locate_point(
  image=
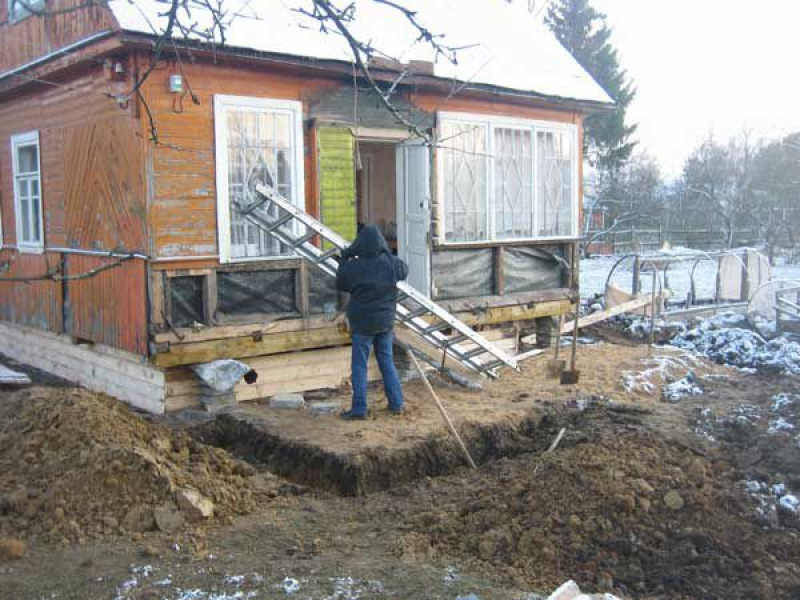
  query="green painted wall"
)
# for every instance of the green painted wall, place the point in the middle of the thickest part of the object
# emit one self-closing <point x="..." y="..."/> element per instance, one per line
<point x="337" y="180"/>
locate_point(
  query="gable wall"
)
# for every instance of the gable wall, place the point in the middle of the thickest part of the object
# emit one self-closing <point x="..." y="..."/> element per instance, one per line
<point x="35" y="36"/>
<point x="93" y="196"/>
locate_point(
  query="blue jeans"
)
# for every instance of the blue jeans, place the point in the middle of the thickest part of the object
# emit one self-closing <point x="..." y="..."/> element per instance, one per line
<point x="382" y="342"/>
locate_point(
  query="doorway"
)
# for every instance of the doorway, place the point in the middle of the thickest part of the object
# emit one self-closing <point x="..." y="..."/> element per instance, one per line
<point x="393" y="193"/>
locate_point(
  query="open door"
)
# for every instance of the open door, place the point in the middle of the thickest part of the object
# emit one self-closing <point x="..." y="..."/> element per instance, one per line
<point x="414" y="212"/>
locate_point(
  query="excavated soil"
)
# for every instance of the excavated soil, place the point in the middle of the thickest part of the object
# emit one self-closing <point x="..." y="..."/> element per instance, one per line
<point x="75" y="465"/>
<point x="617" y="507"/>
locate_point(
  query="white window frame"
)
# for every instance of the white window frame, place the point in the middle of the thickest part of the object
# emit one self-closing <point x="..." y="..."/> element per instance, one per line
<point x="490" y="122"/>
<point x="21" y="12"/>
<point x="221" y="104"/>
<point x="29" y="138"/>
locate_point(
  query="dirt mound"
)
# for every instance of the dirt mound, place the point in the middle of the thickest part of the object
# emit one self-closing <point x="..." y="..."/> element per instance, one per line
<point x="75" y="465"/>
<point x="620" y="509"/>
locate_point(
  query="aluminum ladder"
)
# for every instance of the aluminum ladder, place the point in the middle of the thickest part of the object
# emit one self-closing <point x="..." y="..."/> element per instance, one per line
<point x="415" y="311"/>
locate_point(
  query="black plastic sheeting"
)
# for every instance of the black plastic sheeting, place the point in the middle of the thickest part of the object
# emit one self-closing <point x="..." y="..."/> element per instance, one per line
<point x="248" y="292"/>
<point x="322" y="295"/>
<point x="531" y="269"/>
<point x="186" y="300"/>
<point x="462" y="273"/>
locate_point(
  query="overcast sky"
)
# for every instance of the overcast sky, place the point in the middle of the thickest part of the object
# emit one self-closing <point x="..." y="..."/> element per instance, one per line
<point x="708" y="65"/>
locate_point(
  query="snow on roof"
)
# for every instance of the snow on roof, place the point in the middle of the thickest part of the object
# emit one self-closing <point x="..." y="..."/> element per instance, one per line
<point x="504" y="44"/>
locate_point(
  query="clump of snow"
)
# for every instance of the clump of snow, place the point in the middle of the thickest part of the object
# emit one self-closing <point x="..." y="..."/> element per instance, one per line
<point x="290" y="585"/>
<point x="780" y="425"/>
<point x="790" y="503"/>
<point x="669" y="364"/>
<point x="772" y="501"/>
<point x="782" y="401"/>
<point x="682" y="388"/>
<point x="740" y="348"/>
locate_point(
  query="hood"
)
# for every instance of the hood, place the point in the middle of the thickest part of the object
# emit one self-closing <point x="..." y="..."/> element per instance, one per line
<point x="368" y="242"/>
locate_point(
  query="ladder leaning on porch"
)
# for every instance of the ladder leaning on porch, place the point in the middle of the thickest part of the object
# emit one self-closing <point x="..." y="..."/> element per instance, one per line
<point x="414" y="310"/>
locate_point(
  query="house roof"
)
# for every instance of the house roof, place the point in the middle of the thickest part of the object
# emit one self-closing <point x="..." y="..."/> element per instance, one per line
<point x="504" y="44"/>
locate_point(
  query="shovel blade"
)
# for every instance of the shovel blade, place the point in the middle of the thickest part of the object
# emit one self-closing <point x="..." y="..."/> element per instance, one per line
<point x="570" y="377"/>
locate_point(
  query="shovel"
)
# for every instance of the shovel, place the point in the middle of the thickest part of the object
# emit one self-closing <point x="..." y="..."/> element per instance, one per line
<point x="572" y="376"/>
<point x="555" y="366"/>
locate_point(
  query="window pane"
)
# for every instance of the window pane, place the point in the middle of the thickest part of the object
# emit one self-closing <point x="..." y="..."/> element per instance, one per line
<point x="465" y="172"/>
<point x="259" y="151"/>
<point x="554" y="166"/>
<point x="513" y="194"/>
<point x="27" y="159"/>
<point x="25" y="219"/>
<point x="36" y="234"/>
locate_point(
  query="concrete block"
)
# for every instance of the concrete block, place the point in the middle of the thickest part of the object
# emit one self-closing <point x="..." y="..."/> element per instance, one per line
<point x="291" y="401"/>
<point x="324" y="408"/>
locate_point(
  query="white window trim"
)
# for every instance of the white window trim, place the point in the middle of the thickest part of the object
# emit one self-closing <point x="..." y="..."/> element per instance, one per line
<point x="221" y="104"/>
<point x="26" y="139"/>
<point x="22" y="12"/>
<point x="493" y="121"/>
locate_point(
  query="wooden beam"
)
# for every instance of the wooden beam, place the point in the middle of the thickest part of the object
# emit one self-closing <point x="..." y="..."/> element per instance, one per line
<point x="255" y="345"/>
<point x="221" y="332"/>
<point x="601" y="316"/>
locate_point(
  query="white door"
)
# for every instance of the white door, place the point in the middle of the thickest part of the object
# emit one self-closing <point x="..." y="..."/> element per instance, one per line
<point x="414" y="212"/>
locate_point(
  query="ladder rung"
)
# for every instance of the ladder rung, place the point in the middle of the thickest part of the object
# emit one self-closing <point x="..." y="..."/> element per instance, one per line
<point x="416" y="313"/>
<point x="436" y="328"/>
<point x="456" y="339"/>
<point x="281" y="221"/>
<point x="474" y="352"/>
<point x="305" y="238"/>
<point x="251" y="208"/>
<point x="492" y="365"/>
<point x="326" y="255"/>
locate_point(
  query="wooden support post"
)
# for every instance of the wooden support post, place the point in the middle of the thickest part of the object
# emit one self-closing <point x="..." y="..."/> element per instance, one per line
<point x="637" y="270"/>
<point x="210" y="298"/>
<point x="302" y="289"/>
<point x="443" y="412"/>
<point x="498" y="271"/>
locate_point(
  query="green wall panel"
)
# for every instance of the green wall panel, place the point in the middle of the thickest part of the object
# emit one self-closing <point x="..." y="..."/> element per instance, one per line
<point x="337" y="181"/>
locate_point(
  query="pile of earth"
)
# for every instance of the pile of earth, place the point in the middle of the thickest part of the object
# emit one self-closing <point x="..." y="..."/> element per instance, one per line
<point x="75" y="466"/>
<point x="617" y="509"/>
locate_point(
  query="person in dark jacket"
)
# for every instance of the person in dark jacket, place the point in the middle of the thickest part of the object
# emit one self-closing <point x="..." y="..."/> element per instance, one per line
<point x="369" y="273"/>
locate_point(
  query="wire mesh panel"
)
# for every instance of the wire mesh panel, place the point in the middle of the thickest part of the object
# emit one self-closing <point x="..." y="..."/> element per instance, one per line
<point x="260" y="149"/>
<point x="465" y="174"/>
<point x="554" y="166"/>
<point x="513" y="182"/>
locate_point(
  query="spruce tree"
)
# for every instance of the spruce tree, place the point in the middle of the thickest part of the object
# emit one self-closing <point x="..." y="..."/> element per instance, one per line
<point x="584" y="32"/>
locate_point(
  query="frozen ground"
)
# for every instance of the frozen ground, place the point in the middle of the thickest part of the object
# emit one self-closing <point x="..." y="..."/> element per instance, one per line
<point x="594" y="272"/>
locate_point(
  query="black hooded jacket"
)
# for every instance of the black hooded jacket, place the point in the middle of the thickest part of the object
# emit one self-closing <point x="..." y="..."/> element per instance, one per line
<point x="369" y="273"/>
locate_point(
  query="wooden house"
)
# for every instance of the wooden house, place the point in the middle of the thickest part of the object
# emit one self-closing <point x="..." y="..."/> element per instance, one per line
<point x="122" y="262"/>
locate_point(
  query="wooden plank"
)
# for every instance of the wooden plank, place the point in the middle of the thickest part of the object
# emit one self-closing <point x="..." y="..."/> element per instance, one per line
<point x="272" y="343"/>
<point x="138" y="384"/>
<point x="601" y="316"/>
<point x="220" y="332"/>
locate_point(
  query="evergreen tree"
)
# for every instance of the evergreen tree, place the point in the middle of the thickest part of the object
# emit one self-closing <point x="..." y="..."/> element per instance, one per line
<point x="584" y="32"/>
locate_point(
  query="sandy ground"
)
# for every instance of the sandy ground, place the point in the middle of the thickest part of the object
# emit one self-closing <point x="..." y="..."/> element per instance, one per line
<point x="509" y="399"/>
<point x="595" y="509"/>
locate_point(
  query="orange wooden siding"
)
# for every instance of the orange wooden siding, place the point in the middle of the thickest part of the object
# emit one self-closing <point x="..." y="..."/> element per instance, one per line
<point x="34" y="36"/>
<point x="93" y="197"/>
<point x="36" y="304"/>
<point x="183" y="216"/>
<point x="109" y="308"/>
